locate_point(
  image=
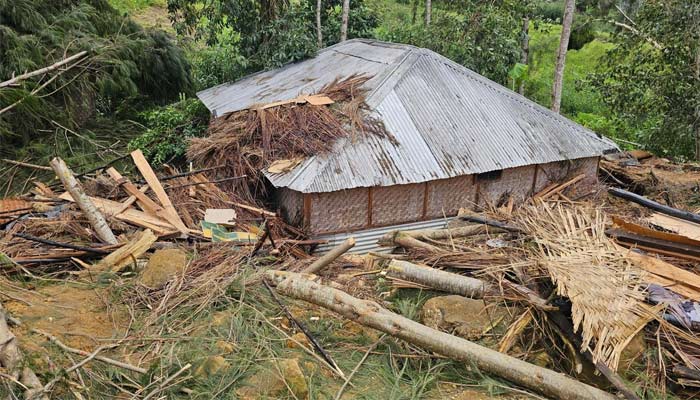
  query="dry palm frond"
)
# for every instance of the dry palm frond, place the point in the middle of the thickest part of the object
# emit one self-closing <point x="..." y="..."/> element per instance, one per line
<point x="605" y="289"/>
<point x="248" y="141"/>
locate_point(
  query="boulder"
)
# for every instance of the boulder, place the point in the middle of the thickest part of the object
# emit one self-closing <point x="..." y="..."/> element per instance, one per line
<point x="211" y="366"/>
<point x="163" y="266"/>
<point x="275" y="380"/>
<point x="462" y="316"/>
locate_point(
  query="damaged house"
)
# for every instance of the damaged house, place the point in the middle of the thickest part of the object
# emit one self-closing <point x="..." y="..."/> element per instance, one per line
<point x="459" y="140"/>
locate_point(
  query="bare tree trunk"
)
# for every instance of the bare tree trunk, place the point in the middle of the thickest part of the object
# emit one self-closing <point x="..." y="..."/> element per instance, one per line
<point x="428" y="12"/>
<point x="558" y="83"/>
<point x="319" y="34"/>
<point x="438" y="279"/>
<point x="73" y="187"/>
<point x="344" y="24"/>
<point x="369" y="313"/>
<point x="696" y="124"/>
<point x="524" y="49"/>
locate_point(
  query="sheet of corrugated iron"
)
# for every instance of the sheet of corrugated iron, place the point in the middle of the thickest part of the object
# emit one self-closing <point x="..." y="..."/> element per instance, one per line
<point x="448" y="121"/>
<point x="366" y="240"/>
<point x="306" y="77"/>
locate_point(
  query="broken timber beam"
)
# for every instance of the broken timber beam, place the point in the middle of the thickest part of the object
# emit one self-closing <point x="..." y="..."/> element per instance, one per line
<point x="653" y="244"/>
<point x="651" y="204"/>
<point x="490" y="222"/>
<point x="76" y="191"/>
<point x="328" y="258"/>
<point x="439" y="234"/>
<point x="371" y="314"/>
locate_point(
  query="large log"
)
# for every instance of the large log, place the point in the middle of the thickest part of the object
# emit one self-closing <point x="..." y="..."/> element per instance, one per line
<point x="97" y="221"/>
<point x="643" y="201"/>
<point x="328" y="258"/>
<point x="369" y="313"/>
<point x="438" y="279"/>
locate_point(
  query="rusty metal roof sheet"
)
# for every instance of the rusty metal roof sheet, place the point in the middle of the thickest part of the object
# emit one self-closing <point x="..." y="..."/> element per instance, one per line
<point x="448" y="120"/>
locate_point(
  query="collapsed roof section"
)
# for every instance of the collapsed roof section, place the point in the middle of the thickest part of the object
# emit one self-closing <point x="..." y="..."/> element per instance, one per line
<point x="447" y="120"/>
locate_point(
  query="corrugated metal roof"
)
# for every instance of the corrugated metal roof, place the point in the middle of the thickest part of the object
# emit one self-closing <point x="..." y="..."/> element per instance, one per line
<point x="448" y="120"/>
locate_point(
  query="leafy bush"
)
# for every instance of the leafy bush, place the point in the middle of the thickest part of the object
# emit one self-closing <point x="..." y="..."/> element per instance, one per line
<point x="549" y="10"/>
<point x="484" y="39"/>
<point x="217" y="64"/>
<point x="169" y="128"/>
<point x="582" y="33"/>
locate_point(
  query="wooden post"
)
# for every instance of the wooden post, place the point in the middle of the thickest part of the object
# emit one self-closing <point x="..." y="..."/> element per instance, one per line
<point x="330" y="256"/>
<point x="547" y="382"/>
<point x="76" y="191"/>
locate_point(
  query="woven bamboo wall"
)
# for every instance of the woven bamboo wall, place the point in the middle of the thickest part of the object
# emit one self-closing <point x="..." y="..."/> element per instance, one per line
<point x="348" y="210"/>
<point x="343" y="210"/>
<point x="447" y="196"/>
<point x="551" y="172"/>
<point x="588" y="167"/>
<point x="515" y="181"/>
<point x="291" y="205"/>
<point x="397" y="204"/>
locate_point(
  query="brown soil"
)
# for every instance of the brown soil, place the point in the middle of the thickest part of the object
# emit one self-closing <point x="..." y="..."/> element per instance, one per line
<point x="76" y="315"/>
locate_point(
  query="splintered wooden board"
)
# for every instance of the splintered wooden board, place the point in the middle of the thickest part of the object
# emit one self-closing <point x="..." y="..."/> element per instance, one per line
<point x="681" y="227"/>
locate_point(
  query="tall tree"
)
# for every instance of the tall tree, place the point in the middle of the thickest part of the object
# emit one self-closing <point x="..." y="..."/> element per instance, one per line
<point x="428" y="12"/>
<point x="651" y="80"/>
<point x="524" y="49"/>
<point x="319" y="33"/>
<point x="558" y="83"/>
<point x="344" y="24"/>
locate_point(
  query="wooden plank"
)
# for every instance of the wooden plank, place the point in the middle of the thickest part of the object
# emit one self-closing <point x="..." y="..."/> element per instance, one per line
<point x="148" y="205"/>
<point x="632" y="238"/>
<point x="134" y="217"/>
<point x="145" y="168"/>
<point x="664" y="269"/>
<point x="126" y="254"/>
<point x="652" y="233"/>
<point x="681" y="227"/>
<point x="144" y="201"/>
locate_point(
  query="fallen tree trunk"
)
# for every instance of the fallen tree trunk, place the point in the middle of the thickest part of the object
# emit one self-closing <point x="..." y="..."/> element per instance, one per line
<point x="73" y="187"/>
<point x="439" y="234"/>
<point x="328" y="258"/>
<point x="438" y="279"/>
<point x="651" y="204"/>
<point x="409" y="242"/>
<point x="368" y="313"/>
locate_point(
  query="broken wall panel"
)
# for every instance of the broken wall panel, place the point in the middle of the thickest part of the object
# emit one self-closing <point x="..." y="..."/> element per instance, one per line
<point x="550" y="173"/>
<point x="291" y="205"/>
<point x="447" y="196"/>
<point x="339" y="211"/>
<point x="588" y="167"/>
<point x="397" y="204"/>
<point x="494" y="187"/>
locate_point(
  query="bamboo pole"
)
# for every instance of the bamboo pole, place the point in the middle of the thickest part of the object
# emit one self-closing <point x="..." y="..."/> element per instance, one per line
<point x="371" y="314"/>
<point x="439" y="234"/>
<point x="76" y="191"/>
<point x="438" y="279"/>
<point x="328" y="258"/>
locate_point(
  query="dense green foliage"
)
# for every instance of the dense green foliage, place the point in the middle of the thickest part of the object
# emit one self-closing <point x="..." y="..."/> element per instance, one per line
<point x="267" y="33"/>
<point x="484" y="36"/>
<point x="653" y="88"/>
<point x="169" y="128"/>
<point x="126" y="67"/>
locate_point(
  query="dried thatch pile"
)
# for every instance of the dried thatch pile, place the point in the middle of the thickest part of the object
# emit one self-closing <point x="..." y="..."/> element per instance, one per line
<point x="248" y="141"/>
